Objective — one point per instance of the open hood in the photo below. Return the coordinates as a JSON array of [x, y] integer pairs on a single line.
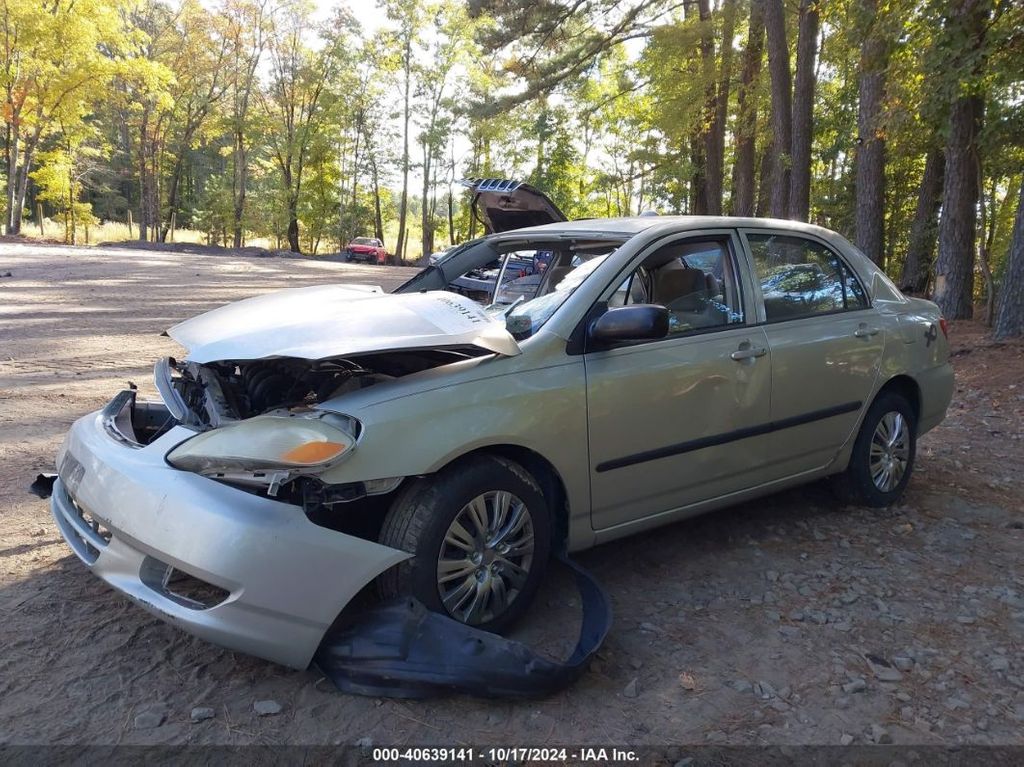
[[502, 205], [339, 320]]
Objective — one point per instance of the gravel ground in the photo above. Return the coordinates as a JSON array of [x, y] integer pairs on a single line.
[[784, 621]]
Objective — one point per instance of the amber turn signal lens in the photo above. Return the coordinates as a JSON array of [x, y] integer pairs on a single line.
[[314, 452]]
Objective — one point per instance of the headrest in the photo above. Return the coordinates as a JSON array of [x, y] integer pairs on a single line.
[[556, 274], [676, 282], [714, 287]]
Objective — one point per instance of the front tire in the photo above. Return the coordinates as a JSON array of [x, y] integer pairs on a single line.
[[883, 454], [480, 533]]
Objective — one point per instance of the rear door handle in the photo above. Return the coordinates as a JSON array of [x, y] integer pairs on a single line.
[[748, 353], [865, 332]]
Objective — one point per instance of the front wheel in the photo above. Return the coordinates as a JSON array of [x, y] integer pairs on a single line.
[[480, 533], [883, 454]]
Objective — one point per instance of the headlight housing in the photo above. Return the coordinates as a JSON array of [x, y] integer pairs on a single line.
[[308, 443]]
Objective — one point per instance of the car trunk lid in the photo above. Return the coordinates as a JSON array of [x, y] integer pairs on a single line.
[[502, 205]]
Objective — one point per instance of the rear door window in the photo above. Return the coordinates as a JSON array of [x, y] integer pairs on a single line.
[[802, 278]]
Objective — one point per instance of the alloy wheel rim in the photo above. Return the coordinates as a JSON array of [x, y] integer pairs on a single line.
[[485, 557], [890, 451]]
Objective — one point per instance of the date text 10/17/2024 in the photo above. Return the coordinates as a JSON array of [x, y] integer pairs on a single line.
[[504, 754]]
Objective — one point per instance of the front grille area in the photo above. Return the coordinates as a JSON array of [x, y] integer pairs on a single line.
[[86, 535], [181, 587]]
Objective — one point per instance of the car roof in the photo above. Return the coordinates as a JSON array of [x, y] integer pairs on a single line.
[[631, 225], [627, 227]]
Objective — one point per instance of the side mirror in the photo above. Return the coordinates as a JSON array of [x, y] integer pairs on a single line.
[[639, 322]]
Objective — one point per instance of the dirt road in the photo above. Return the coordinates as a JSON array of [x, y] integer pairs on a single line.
[[784, 621]]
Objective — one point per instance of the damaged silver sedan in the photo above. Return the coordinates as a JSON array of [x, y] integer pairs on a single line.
[[616, 375]]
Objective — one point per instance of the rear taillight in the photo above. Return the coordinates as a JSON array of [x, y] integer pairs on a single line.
[[944, 327]]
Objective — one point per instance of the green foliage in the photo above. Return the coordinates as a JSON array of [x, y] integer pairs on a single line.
[[187, 104]]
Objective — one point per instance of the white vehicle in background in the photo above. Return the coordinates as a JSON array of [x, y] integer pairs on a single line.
[[433, 258]]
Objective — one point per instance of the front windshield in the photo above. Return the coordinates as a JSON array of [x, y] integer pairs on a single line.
[[521, 284], [363, 241], [526, 317]]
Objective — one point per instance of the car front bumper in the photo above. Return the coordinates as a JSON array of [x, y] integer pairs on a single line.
[[270, 581]]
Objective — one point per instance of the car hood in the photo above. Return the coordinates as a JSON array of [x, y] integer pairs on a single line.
[[502, 205], [339, 320]]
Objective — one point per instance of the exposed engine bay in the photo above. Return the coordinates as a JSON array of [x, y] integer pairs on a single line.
[[207, 396]]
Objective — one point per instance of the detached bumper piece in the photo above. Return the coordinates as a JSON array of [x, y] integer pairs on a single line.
[[400, 649], [42, 485]]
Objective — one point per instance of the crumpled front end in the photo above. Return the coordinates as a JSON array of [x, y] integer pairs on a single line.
[[240, 569]]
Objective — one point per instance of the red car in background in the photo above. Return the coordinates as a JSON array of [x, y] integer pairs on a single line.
[[366, 249]]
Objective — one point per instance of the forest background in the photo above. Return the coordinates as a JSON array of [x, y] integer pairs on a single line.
[[899, 123]]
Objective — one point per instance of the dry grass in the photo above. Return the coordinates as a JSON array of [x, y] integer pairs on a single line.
[[117, 231], [113, 231]]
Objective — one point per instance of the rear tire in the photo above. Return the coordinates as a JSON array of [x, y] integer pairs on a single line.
[[480, 533], [883, 454]]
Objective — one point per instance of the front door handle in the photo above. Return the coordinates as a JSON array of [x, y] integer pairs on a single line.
[[747, 352], [863, 331]]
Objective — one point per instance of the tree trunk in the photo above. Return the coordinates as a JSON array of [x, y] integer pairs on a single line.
[[716, 151], [746, 120], [803, 112], [73, 238], [172, 194], [716, 98], [1010, 319], [404, 200], [378, 218], [698, 180], [782, 107], [355, 158], [12, 227], [239, 179], [954, 268], [764, 187], [293, 225], [987, 232], [921, 248], [143, 180], [451, 216], [869, 183], [22, 188], [426, 239]]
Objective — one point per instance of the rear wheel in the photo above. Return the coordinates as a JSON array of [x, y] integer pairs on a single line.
[[480, 533], [883, 454]]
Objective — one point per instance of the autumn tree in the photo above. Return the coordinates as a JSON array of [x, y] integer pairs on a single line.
[[246, 24], [199, 62], [437, 76], [408, 19], [64, 172], [55, 62], [294, 100]]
